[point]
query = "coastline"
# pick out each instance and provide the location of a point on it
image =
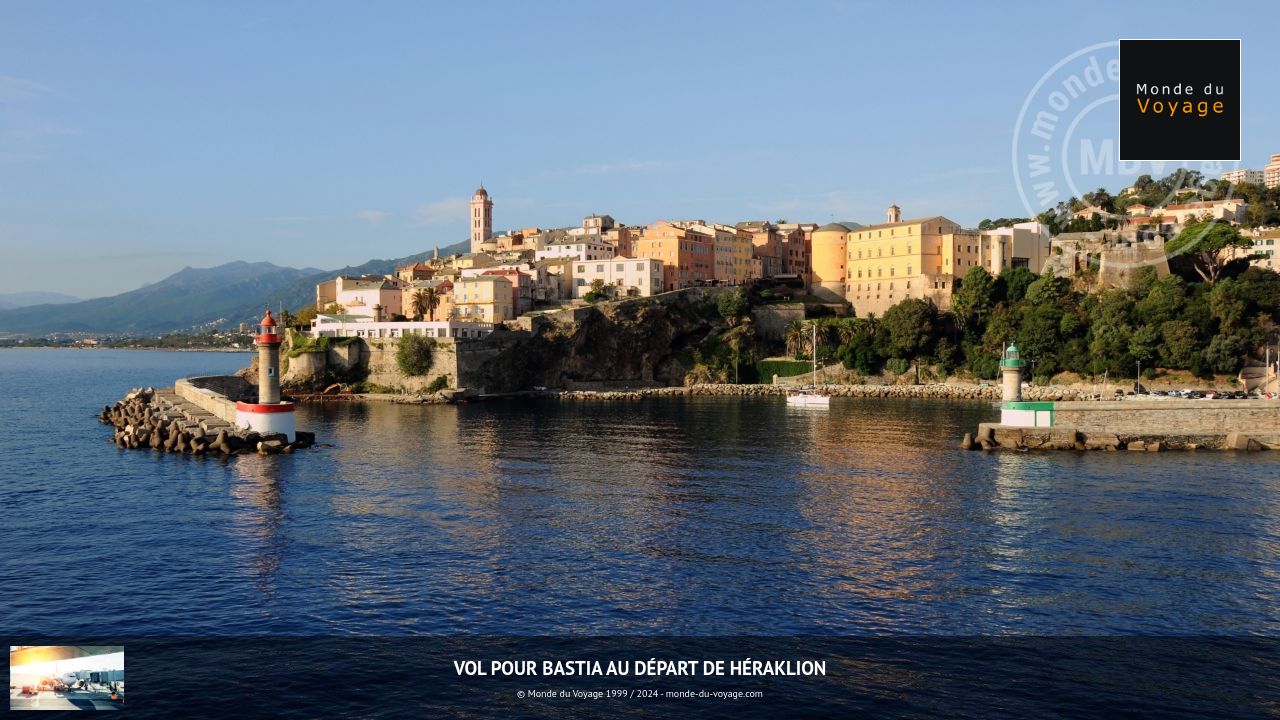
(159, 349)
(937, 391)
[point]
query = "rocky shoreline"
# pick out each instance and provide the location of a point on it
(992, 436)
(158, 419)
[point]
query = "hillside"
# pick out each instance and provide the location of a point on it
(192, 299)
(302, 292)
(9, 301)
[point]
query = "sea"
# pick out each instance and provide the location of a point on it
(702, 523)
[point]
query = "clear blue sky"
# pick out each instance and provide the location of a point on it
(139, 137)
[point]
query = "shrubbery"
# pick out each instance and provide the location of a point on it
(766, 369)
(1169, 322)
(413, 356)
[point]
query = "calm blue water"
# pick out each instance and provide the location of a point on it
(700, 516)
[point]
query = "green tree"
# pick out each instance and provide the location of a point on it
(597, 292)
(797, 339)
(909, 326)
(1210, 245)
(1226, 351)
(1048, 289)
(733, 305)
(1164, 300)
(1111, 329)
(413, 354)
(741, 341)
(1179, 344)
(976, 296)
(1014, 283)
(304, 316)
(425, 302)
(1227, 304)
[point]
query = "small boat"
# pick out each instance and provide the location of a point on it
(809, 396)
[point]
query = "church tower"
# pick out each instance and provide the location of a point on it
(481, 218)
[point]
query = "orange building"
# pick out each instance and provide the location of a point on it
(688, 257)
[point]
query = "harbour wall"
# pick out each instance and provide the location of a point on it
(215, 394)
(1170, 416)
(1150, 425)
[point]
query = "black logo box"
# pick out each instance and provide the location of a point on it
(1180, 66)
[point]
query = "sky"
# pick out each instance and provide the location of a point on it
(137, 138)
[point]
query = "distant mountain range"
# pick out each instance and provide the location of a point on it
(9, 301)
(191, 299)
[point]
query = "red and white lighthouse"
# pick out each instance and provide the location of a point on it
(269, 414)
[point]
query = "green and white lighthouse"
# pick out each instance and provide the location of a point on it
(1011, 374)
(1013, 410)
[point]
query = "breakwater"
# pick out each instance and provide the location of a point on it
(161, 419)
(1138, 425)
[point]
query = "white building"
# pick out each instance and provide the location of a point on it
(1025, 245)
(579, 247)
(1271, 173)
(1231, 210)
(1235, 177)
(349, 326)
(361, 295)
(626, 277)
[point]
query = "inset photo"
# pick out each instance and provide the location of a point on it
(66, 677)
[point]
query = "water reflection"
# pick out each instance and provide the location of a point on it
(713, 515)
(255, 487)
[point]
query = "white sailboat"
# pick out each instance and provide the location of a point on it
(809, 396)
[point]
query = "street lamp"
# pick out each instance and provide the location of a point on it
(1137, 383)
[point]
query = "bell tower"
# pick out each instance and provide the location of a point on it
(481, 218)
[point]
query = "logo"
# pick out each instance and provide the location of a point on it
(1180, 98)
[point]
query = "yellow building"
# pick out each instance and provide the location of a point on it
(483, 298)
(902, 259)
(922, 258)
(827, 280)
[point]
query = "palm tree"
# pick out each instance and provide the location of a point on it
(419, 305)
(433, 301)
(847, 330)
(425, 302)
(796, 339)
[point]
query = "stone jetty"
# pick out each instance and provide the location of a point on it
(1135, 425)
(159, 419)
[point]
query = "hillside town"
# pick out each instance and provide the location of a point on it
(851, 268)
